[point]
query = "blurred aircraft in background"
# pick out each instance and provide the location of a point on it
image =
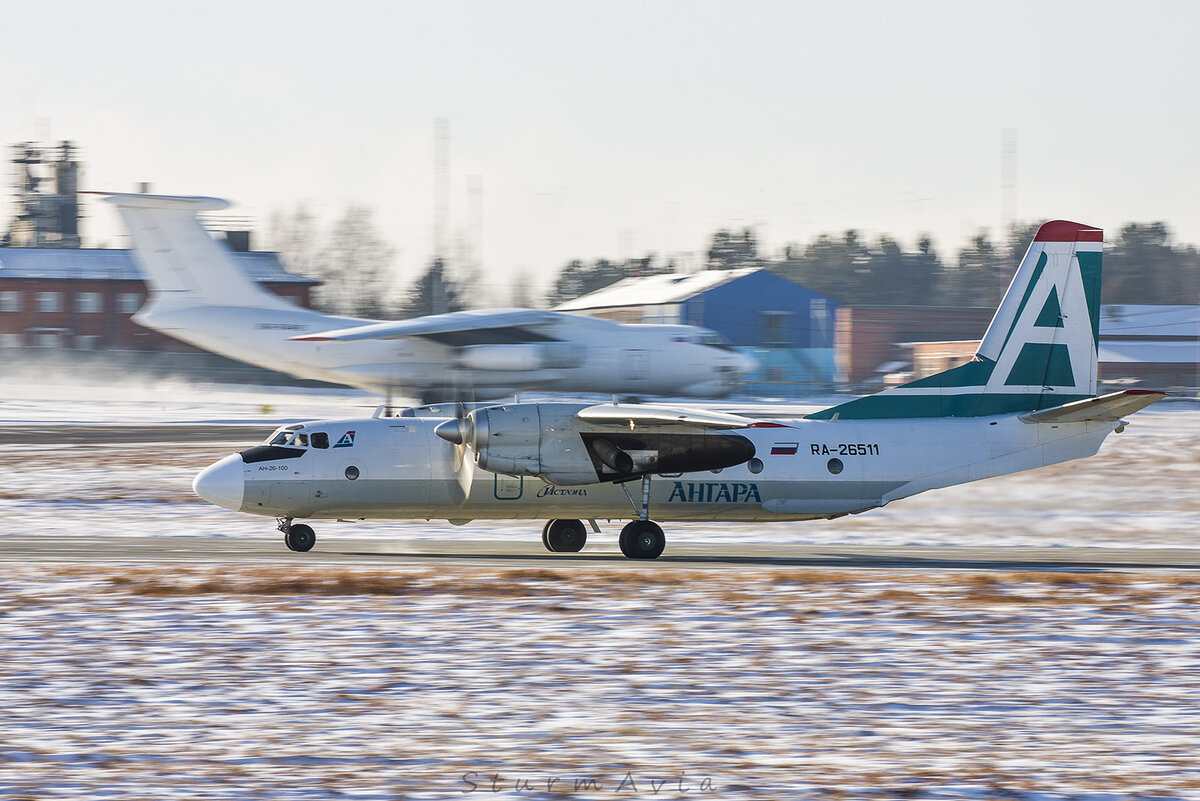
(200, 296)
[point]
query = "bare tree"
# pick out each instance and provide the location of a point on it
(355, 265)
(295, 237)
(522, 294)
(351, 259)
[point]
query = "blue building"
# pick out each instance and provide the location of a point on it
(787, 328)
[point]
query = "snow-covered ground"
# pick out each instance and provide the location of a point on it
(292, 683)
(1140, 490)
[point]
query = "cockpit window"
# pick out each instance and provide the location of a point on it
(286, 435)
(320, 440)
(714, 340)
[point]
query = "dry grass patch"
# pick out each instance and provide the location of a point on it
(899, 595)
(815, 589)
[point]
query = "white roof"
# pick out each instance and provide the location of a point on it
(98, 264)
(1126, 320)
(653, 290)
(1149, 351)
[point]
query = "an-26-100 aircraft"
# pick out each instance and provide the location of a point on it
(1027, 399)
(199, 295)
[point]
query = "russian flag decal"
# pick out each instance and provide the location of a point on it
(785, 448)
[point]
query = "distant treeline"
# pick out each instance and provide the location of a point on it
(1141, 265)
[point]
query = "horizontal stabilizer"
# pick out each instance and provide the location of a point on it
(636, 414)
(130, 200)
(1105, 408)
(506, 326)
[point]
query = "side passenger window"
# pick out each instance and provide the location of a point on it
(320, 439)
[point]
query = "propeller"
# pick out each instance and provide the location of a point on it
(459, 431)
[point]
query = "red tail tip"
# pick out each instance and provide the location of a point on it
(1067, 231)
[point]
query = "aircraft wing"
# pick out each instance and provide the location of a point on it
(635, 414)
(458, 329)
(1105, 408)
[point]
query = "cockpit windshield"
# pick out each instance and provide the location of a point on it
(714, 340)
(296, 436)
(287, 442)
(285, 435)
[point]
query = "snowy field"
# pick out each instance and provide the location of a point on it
(223, 682)
(1139, 491)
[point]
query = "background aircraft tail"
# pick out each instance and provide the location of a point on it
(182, 264)
(1038, 352)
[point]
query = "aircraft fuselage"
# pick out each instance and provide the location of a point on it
(594, 355)
(396, 467)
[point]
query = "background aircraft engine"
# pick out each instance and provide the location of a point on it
(548, 440)
(522, 358)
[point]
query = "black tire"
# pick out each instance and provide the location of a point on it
(545, 534)
(642, 539)
(300, 538)
(565, 536)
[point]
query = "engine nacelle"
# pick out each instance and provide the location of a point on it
(507, 439)
(526, 357)
(549, 440)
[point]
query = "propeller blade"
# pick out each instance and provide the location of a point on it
(460, 432)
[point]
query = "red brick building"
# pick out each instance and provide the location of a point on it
(870, 338)
(84, 299)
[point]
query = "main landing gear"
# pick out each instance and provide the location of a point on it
(641, 539)
(298, 537)
(564, 536)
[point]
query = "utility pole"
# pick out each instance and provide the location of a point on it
(475, 222)
(441, 185)
(1008, 181)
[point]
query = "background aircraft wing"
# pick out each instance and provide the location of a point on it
(490, 327)
(635, 414)
(1106, 408)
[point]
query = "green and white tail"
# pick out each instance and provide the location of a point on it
(1038, 352)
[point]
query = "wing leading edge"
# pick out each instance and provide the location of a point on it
(639, 414)
(510, 326)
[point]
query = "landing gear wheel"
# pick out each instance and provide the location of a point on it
(299, 538)
(642, 539)
(564, 536)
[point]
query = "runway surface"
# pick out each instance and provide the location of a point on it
(341, 551)
(243, 434)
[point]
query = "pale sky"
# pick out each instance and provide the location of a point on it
(611, 129)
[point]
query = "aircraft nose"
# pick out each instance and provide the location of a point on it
(745, 364)
(221, 483)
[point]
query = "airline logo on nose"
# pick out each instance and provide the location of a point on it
(346, 441)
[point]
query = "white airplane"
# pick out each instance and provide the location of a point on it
(1027, 399)
(199, 295)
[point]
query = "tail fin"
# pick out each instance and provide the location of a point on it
(182, 264)
(1039, 350)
